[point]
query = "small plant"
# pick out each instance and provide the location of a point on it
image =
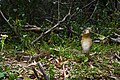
(2, 73)
(3, 41)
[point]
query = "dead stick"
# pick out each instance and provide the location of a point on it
(88, 4)
(49, 30)
(93, 12)
(82, 8)
(8, 22)
(42, 71)
(5, 19)
(117, 56)
(35, 72)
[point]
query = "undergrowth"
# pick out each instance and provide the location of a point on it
(63, 59)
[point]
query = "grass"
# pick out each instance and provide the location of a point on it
(67, 61)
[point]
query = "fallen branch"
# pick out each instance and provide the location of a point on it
(31, 28)
(52, 28)
(42, 71)
(117, 40)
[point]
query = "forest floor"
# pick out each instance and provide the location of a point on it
(61, 62)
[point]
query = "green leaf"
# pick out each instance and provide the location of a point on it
(1, 74)
(12, 76)
(85, 59)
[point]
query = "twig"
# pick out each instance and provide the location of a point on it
(75, 32)
(64, 72)
(117, 56)
(117, 34)
(112, 76)
(93, 11)
(5, 19)
(49, 21)
(117, 40)
(58, 10)
(42, 71)
(52, 28)
(35, 73)
(83, 8)
(31, 28)
(8, 22)
(88, 4)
